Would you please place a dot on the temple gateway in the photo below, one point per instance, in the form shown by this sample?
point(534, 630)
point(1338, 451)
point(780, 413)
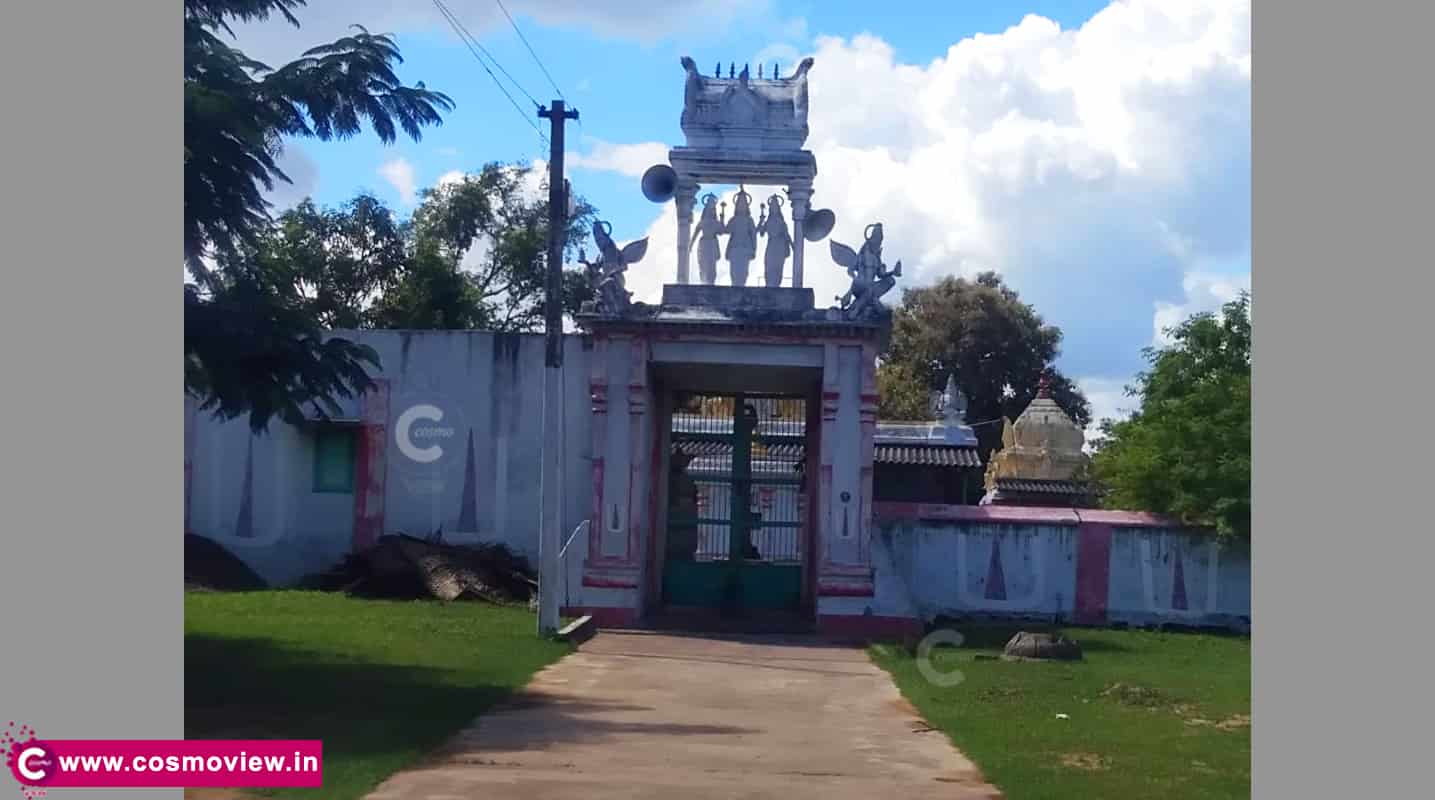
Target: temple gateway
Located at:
point(734, 425)
point(722, 459)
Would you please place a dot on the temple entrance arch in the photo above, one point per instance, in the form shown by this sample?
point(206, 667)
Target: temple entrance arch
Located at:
point(765, 540)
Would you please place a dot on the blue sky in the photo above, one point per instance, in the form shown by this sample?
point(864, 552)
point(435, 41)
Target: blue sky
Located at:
point(1096, 154)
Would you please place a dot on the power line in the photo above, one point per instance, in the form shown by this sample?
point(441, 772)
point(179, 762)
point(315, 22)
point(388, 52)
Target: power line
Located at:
point(469, 42)
point(491, 57)
point(536, 59)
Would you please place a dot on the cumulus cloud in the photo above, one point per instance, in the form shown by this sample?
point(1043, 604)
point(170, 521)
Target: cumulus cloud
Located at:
point(1204, 292)
point(1098, 168)
point(626, 159)
point(400, 175)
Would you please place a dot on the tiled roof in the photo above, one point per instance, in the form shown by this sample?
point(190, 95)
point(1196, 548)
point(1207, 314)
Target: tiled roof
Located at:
point(926, 455)
point(1042, 486)
point(710, 449)
point(917, 454)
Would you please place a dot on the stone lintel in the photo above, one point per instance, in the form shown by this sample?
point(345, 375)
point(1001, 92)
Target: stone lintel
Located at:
point(738, 298)
point(712, 165)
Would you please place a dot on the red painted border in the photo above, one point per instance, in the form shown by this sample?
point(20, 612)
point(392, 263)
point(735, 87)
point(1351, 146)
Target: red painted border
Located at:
point(371, 466)
point(868, 626)
point(605, 617)
point(1093, 573)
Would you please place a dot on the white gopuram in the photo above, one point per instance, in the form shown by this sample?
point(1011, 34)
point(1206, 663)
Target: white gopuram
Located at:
point(749, 132)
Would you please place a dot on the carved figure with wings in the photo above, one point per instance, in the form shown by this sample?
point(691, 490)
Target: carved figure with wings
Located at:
point(606, 274)
point(870, 277)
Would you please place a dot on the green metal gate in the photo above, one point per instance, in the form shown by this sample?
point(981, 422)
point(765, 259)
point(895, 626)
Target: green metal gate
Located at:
point(736, 505)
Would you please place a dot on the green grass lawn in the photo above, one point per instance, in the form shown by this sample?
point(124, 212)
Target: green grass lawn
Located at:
point(381, 683)
point(1151, 714)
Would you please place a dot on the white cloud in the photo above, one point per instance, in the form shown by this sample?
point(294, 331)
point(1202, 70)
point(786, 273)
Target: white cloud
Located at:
point(626, 159)
point(1108, 401)
point(1101, 170)
point(1204, 292)
point(400, 175)
point(452, 176)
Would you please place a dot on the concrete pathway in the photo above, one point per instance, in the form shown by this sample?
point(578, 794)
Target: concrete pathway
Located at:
point(647, 715)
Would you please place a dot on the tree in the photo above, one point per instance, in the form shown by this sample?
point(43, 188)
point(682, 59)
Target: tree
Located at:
point(996, 345)
point(1186, 452)
point(472, 257)
point(501, 224)
point(336, 262)
point(237, 112)
point(902, 393)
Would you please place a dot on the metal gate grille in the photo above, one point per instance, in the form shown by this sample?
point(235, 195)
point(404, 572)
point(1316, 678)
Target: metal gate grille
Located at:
point(703, 429)
point(736, 495)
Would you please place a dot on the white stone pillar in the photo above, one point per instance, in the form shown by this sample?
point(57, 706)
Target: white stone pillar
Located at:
point(800, 195)
point(685, 196)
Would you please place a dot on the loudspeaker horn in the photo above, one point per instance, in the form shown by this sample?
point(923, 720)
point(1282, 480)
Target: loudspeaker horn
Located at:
point(818, 224)
point(659, 183)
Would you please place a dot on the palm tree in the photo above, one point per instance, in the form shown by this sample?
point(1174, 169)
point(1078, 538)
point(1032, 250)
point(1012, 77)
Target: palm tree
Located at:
point(246, 351)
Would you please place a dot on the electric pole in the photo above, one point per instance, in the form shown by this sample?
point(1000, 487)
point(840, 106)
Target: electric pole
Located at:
point(551, 489)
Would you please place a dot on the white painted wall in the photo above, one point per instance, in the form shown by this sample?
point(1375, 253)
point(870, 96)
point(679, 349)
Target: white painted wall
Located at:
point(488, 383)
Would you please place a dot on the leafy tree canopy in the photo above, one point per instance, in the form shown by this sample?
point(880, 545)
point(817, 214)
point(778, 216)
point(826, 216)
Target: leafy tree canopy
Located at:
point(902, 393)
point(478, 256)
point(1187, 451)
point(253, 345)
point(996, 345)
point(237, 111)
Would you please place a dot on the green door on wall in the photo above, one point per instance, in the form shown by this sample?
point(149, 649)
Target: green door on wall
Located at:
point(736, 503)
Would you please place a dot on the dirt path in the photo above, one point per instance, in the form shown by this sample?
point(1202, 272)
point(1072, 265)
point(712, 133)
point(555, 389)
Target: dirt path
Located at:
point(645, 715)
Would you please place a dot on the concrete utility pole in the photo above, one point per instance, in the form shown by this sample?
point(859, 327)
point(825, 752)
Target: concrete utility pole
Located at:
point(551, 488)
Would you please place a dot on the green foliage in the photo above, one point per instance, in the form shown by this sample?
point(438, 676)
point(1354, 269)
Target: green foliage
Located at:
point(381, 683)
point(473, 256)
point(996, 345)
point(237, 111)
point(499, 215)
point(902, 393)
point(250, 349)
point(1149, 714)
point(1187, 451)
point(334, 261)
point(252, 341)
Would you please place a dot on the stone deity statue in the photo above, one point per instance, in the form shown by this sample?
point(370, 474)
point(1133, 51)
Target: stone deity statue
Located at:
point(741, 238)
point(779, 240)
point(605, 276)
point(870, 277)
point(705, 234)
